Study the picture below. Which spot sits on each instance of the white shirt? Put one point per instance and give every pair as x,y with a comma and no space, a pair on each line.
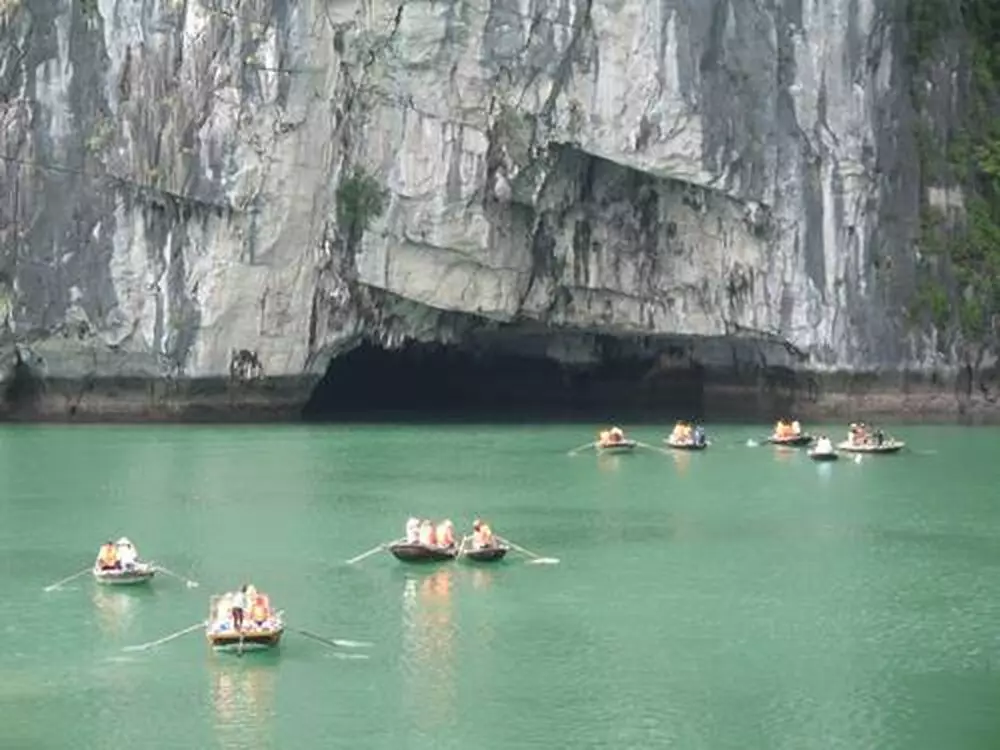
412,530
127,555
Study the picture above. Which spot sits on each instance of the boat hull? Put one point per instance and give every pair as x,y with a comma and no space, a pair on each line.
625,446
253,640
885,448
685,446
418,553
135,577
797,441
823,456
486,554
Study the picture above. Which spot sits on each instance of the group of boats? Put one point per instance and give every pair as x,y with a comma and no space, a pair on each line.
238,620
426,542
244,620
861,438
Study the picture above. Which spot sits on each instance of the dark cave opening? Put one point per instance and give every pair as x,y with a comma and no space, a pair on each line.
433,382
22,390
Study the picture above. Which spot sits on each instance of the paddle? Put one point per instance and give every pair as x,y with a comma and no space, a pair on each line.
187,582
333,642
538,559
165,639
67,579
652,448
581,447
372,551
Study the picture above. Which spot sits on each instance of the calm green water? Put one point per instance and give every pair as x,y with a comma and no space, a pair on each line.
740,598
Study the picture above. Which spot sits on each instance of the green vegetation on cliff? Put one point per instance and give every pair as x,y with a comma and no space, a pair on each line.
960,285
360,200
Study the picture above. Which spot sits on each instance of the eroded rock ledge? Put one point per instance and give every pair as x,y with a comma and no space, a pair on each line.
172,181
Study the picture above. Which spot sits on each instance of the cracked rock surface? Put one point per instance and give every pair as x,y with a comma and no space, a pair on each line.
712,168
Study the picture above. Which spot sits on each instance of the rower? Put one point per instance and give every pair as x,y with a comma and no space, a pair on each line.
482,535
237,607
796,428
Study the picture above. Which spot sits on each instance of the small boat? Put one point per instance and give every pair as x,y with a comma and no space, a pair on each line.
792,440
420,553
494,553
620,446
129,576
889,446
222,636
685,445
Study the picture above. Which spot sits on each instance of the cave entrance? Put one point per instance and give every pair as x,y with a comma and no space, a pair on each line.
433,382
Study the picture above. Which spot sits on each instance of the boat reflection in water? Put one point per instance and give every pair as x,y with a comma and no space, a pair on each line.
243,701
428,659
117,607
682,460
609,461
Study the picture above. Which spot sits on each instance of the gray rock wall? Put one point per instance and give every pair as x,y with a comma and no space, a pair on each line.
170,173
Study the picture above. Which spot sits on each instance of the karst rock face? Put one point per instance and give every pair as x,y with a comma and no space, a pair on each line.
179,206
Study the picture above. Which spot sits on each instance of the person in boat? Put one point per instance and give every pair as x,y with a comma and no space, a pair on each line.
699,435
127,554
413,531
615,435
260,612
482,535
446,534
107,557
796,428
823,445
427,538
237,608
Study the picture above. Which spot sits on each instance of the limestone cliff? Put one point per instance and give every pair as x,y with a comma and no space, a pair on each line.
179,179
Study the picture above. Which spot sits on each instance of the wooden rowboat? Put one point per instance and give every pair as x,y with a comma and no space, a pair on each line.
251,638
222,636
138,574
419,553
685,446
622,446
889,446
486,554
795,440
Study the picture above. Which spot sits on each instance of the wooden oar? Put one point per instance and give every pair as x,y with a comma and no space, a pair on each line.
165,639
187,582
536,558
581,447
333,642
652,448
372,551
67,579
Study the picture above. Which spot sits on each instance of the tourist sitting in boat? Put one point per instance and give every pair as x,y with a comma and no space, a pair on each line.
427,536
482,535
446,534
796,428
413,531
260,610
823,445
127,554
611,437
699,435
107,557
